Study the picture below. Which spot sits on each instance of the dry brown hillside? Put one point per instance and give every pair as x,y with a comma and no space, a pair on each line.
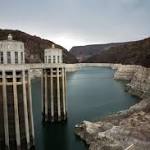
137,53
34,46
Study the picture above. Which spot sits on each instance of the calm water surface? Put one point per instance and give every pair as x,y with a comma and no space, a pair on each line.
92,93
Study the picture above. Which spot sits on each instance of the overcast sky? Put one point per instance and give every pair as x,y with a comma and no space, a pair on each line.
78,22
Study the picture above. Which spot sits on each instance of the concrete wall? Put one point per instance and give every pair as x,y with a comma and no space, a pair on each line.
11,52
53,55
16,129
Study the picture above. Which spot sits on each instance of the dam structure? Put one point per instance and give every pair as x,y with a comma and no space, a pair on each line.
54,86
16,121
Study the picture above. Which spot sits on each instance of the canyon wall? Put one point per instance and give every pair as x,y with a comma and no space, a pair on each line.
138,77
128,128
140,83
125,72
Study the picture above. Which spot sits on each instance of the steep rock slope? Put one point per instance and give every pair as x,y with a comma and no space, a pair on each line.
125,72
138,77
140,83
84,52
133,53
34,46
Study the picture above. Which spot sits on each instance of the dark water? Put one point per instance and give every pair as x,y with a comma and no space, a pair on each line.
92,93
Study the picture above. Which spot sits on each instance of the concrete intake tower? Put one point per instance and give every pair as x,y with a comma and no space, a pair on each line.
16,121
54,86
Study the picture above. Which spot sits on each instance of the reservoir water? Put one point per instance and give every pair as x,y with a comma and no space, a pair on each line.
91,94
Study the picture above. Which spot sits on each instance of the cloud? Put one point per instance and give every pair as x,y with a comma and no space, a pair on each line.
81,21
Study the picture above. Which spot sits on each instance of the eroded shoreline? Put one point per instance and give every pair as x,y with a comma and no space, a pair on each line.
118,131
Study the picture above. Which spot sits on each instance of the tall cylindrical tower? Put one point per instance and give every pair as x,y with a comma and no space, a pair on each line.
16,121
54,86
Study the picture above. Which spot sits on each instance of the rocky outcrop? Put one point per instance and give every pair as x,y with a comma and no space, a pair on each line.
138,76
126,128
119,131
125,72
140,83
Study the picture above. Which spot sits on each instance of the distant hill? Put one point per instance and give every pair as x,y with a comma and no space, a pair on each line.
84,52
34,46
137,52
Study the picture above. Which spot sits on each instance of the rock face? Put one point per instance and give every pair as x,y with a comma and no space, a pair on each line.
132,53
82,53
125,72
139,78
126,128
140,83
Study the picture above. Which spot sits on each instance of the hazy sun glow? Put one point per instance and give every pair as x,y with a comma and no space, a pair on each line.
68,42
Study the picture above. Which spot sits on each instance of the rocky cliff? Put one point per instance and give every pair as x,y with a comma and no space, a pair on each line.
140,83
82,53
128,128
138,76
34,46
132,53
125,72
